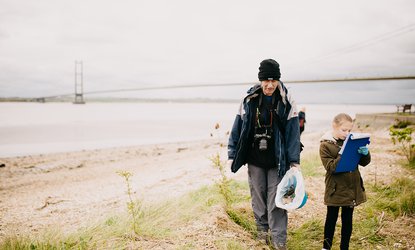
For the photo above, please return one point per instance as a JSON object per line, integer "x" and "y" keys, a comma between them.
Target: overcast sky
{"x": 130, "y": 44}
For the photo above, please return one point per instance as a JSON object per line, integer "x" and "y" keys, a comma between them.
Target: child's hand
{"x": 363, "y": 150}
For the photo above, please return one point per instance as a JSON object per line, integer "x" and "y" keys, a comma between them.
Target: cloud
{"x": 134, "y": 43}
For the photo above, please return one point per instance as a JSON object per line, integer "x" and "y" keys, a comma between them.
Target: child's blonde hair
{"x": 340, "y": 118}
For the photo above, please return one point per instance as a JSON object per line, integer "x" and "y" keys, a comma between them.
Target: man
{"x": 266, "y": 136}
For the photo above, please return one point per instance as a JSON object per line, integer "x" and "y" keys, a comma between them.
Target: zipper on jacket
{"x": 279, "y": 158}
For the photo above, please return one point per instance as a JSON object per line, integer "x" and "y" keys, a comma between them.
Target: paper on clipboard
{"x": 354, "y": 136}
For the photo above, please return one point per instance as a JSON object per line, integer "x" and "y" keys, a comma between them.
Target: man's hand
{"x": 295, "y": 166}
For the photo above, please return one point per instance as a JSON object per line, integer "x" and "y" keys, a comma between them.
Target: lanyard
{"x": 259, "y": 113}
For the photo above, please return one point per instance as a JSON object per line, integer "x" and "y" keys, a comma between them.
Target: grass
{"x": 243, "y": 218}
{"x": 376, "y": 222}
{"x": 398, "y": 198}
{"x": 307, "y": 236}
{"x": 167, "y": 221}
{"x": 311, "y": 165}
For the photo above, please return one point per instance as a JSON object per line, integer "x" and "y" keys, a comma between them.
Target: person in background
{"x": 301, "y": 118}
{"x": 343, "y": 190}
{"x": 266, "y": 136}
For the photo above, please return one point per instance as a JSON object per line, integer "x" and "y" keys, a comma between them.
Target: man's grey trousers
{"x": 263, "y": 185}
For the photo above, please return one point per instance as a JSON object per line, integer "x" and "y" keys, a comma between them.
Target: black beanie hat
{"x": 269, "y": 69}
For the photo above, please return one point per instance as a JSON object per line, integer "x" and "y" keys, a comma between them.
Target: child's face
{"x": 342, "y": 130}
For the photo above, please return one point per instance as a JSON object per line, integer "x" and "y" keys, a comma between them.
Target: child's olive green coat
{"x": 342, "y": 189}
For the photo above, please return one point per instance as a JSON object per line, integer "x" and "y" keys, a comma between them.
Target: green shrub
{"x": 401, "y": 124}
{"x": 403, "y": 137}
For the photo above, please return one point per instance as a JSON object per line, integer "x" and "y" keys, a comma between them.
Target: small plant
{"x": 224, "y": 181}
{"x": 403, "y": 137}
{"x": 220, "y": 164}
{"x": 134, "y": 208}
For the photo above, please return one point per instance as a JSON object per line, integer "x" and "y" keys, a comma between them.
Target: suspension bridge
{"x": 79, "y": 94}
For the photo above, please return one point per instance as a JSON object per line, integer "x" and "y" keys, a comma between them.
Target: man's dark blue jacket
{"x": 286, "y": 134}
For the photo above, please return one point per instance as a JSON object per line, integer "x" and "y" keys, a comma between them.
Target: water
{"x": 39, "y": 128}
{"x": 32, "y": 128}
{"x": 362, "y": 92}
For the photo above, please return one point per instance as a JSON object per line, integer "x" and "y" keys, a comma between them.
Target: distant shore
{"x": 170, "y": 100}
{"x": 121, "y": 100}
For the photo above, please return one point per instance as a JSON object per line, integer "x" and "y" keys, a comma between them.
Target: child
{"x": 343, "y": 190}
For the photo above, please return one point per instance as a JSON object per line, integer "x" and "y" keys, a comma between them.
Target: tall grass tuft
{"x": 243, "y": 219}
{"x": 385, "y": 204}
{"x": 397, "y": 198}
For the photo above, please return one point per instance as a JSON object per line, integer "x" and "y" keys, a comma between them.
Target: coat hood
{"x": 328, "y": 136}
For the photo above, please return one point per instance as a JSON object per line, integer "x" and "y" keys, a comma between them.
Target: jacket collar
{"x": 328, "y": 136}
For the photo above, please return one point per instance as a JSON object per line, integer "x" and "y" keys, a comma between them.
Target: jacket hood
{"x": 253, "y": 89}
{"x": 328, "y": 136}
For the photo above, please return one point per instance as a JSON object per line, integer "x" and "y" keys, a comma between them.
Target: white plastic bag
{"x": 293, "y": 179}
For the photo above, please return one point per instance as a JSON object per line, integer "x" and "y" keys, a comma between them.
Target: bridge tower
{"x": 79, "y": 83}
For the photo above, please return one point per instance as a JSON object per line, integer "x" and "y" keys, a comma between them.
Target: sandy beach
{"x": 70, "y": 190}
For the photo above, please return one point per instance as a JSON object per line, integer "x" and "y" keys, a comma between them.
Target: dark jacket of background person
{"x": 342, "y": 189}
{"x": 301, "y": 117}
{"x": 286, "y": 134}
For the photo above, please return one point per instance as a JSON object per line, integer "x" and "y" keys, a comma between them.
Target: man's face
{"x": 269, "y": 86}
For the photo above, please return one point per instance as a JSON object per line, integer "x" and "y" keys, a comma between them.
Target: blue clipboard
{"x": 349, "y": 156}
